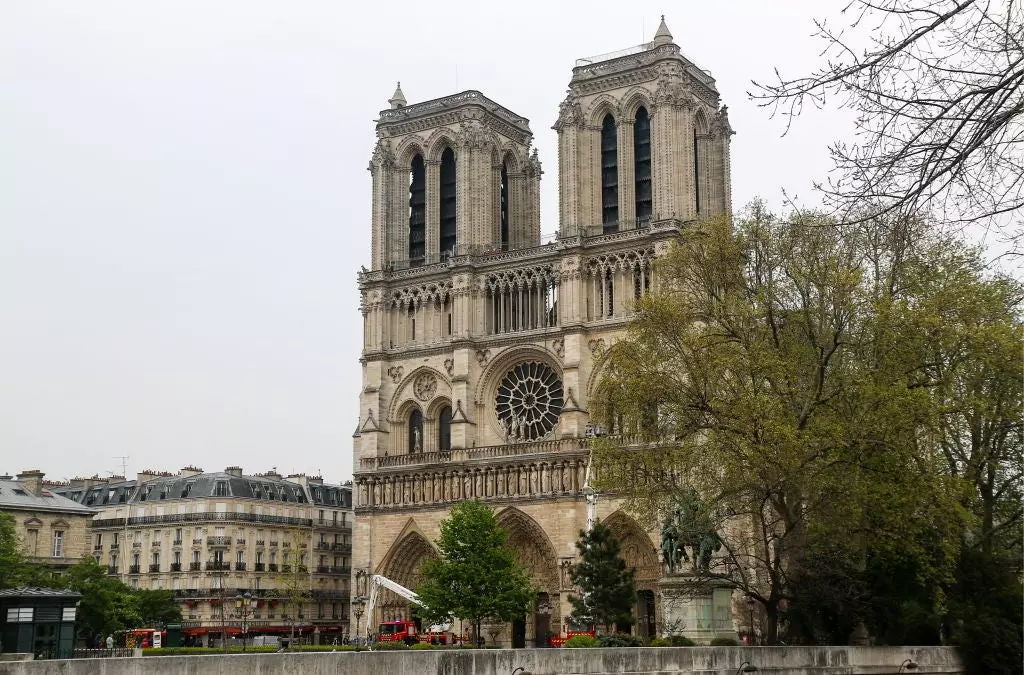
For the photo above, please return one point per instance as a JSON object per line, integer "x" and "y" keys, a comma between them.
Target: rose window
{"x": 528, "y": 402}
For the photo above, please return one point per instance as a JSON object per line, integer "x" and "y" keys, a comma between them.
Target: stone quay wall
{"x": 661, "y": 660}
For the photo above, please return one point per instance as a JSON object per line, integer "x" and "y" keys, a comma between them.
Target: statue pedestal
{"x": 697, "y": 608}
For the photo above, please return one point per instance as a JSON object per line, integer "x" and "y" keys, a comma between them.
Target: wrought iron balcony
{"x": 204, "y": 517}
{"x": 195, "y": 566}
{"x": 218, "y": 541}
{"x": 111, "y": 569}
{"x": 260, "y": 567}
{"x": 175, "y": 567}
{"x": 134, "y": 569}
{"x": 154, "y": 567}
{"x": 273, "y": 567}
{"x": 218, "y": 566}
{"x": 240, "y": 566}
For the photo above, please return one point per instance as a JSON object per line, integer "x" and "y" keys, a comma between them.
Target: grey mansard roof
{"x": 211, "y": 486}
{"x": 16, "y": 496}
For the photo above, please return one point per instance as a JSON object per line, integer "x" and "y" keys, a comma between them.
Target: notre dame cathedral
{"x": 483, "y": 346}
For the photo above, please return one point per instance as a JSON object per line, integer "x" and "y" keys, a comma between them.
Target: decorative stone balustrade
{"x": 543, "y": 468}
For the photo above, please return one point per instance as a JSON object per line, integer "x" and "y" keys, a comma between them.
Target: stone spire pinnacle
{"x": 397, "y": 99}
{"x": 662, "y": 37}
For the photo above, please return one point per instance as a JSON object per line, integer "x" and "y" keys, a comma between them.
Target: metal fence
{"x": 119, "y": 652}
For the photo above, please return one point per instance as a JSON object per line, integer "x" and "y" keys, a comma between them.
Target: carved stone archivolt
{"x": 533, "y": 548}
{"x": 636, "y": 547}
{"x": 425, "y": 386}
{"x": 402, "y": 564}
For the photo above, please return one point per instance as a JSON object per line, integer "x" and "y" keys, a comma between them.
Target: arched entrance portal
{"x": 639, "y": 553}
{"x": 534, "y": 552}
{"x": 402, "y": 564}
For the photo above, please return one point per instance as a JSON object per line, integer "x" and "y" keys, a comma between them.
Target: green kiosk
{"x": 38, "y": 621}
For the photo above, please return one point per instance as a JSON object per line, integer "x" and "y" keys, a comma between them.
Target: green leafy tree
{"x": 780, "y": 373}
{"x": 476, "y": 577}
{"x": 608, "y": 587}
{"x": 157, "y": 607}
{"x": 293, "y": 581}
{"x": 107, "y": 604}
{"x": 13, "y": 568}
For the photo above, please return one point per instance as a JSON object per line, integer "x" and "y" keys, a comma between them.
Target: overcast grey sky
{"x": 184, "y": 199}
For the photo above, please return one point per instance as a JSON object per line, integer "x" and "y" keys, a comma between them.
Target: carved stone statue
{"x": 686, "y": 527}
{"x": 417, "y": 440}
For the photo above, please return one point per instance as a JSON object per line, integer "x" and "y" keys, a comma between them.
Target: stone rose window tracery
{"x": 528, "y": 402}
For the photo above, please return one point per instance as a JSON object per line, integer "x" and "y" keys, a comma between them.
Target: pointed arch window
{"x": 415, "y": 431}
{"x": 447, "y": 203}
{"x": 609, "y": 175}
{"x": 504, "y": 206}
{"x": 696, "y": 171}
{"x": 417, "y": 211}
{"x": 444, "y": 429}
{"x": 642, "y": 164}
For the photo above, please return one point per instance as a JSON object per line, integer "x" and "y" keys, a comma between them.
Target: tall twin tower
{"x": 482, "y": 347}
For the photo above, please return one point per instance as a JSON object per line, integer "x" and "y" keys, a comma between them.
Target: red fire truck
{"x": 406, "y": 631}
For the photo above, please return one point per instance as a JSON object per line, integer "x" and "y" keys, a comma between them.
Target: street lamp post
{"x": 358, "y": 607}
{"x": 243, "y": 606}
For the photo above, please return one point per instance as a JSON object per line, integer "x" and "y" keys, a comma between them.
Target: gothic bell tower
{"x": 484, "y": 348}
{"x": 641, "y": 139}
{"x": 451, "y": 176}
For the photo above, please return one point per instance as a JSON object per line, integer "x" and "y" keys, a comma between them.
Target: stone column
{"x": 399, "y": 220}
{"x": 568, "y": 174}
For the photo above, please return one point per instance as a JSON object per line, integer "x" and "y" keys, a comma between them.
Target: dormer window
{"x": 220, "y": 489}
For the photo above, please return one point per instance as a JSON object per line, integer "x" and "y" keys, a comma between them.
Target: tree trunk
{"x": 771, "y": 625}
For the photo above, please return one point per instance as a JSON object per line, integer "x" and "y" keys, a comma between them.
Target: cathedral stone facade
{"x": 483, "y": 346}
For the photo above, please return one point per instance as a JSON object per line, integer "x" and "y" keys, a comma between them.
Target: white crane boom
{"x": 378, "y": 580}
{"x": 590, "y": 495}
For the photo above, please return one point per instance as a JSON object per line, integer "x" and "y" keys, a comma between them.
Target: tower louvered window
{"x": 696, "y": 172}
{"x": 609, "y": 175}
{"x": 504, "y": 206}
{"x": 642, "y": 155}
{"x": 447, "y": 203}
{"x": 417, "y": 212}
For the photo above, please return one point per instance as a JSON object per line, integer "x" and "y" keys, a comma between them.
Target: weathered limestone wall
{"x": 693, "y": 660}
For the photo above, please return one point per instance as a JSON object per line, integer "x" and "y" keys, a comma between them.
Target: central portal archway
{"x": 533, "y": 551}
{"x": 402, "y": 564}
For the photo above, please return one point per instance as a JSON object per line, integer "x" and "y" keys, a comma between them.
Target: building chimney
{"x": 233, "y": 471}
{"x": 188, "y": 471}
{"x": 145, "y": 476}
{"x": 32, "y": 480}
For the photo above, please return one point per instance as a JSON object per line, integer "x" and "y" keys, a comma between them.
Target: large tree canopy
{"x": 786, "y": 370}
